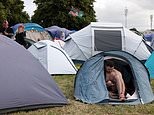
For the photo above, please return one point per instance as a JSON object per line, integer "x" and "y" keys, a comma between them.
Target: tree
{"x": 71, "y": 14}
{"x": 12, "y": 10}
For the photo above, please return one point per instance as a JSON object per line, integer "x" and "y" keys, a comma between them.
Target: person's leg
{"x": 112, "y": 90}
{"x": 121, "y": 87}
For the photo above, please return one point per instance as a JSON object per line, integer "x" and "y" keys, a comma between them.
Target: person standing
{"x": 6, "y": 30}
{"x": 20, "y": 36}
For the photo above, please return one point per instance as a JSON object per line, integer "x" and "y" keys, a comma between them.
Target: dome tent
{"x": 53, "y": 57}
{"x": 25, "y": 84}
{"x": 28, "y": 26}
{"x": 98, "y": 37}
{"x": 58, "y": 32}
{"x": 33, "y": 31}
{"x": 90, "y": 85}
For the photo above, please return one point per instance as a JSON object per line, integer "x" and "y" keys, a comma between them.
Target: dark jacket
{"x": 8, "y": 30}
{"x": 20, "y": 38}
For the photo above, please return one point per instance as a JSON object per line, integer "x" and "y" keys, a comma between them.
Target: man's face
{"x": 109, "y": 69}
{"x": 5, "y": 24}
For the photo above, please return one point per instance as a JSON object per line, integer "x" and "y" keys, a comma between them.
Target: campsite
{"x": 76, "y": 57}
{"x": 54, "y": 94}
{"x": 71, "y": 77}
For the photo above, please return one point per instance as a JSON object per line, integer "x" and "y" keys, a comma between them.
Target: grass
{"x": 66, "y": 83}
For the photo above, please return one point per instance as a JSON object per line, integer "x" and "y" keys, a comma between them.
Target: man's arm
{"x": 120, "y": 83}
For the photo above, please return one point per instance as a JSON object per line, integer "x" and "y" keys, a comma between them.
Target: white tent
{"x": 98, "y": 37}
{"x": 53, "y": 57}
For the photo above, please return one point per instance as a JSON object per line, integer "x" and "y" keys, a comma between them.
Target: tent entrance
{"x": 125, "y": 69}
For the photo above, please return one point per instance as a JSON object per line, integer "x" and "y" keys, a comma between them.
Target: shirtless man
{"x": 114, "y": 80}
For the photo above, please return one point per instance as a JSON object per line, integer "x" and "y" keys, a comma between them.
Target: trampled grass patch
{"x": 66, "y": 84}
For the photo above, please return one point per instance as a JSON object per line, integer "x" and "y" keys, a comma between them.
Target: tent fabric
{"x": 28, "y": 26}
{"x": 98, "y": 37}
{"x": 36, "y": 32}
{"x": 33, "y": 26}
{"x": 148, "y": 37}
{"x": 53, "y": 57}
{"x": 24, "y": 81}
{"x": 150, "y": 65}
{"x": 37, "y": 36}
{"x": 151, "y": 43}
{"x": 82, "y": 42}
{"x": 90, "y": 86}
{"x": 56, "y": 32}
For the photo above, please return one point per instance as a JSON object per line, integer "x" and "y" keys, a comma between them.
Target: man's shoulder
{"x": 116, "y": 71}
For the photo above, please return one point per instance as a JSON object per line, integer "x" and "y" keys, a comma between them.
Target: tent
{"x": 53, "y": 57}
{"x": 29, "y": 42}
{"x": 25, "y": 84}
{"x": 148, "y": 37}
{"x": 33, "y": 26}
{"x": 90, "y": 86}
{"x": 28, "y": 26}
{"x": 98, "y": 37}
{"x": 15, "y": 27}
{"x": 58, "y": 32}
{"x": 150, "y": 65}
{"x": 34, "y": 31}
{"x": 152, "y": 43}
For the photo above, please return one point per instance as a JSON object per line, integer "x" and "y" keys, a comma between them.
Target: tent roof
{"x": 56, "y": 32}
{"x": 97, "y": 37}
{"x": 101, "y": 24}
{"x": 28, "y": 26}
{"x": 33, "y": 26}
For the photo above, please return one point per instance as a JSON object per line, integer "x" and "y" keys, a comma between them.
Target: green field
{"x": 66, "y": 83}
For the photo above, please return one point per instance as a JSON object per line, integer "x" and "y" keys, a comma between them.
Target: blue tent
{"x": 33, "y": 26}
{"x": 90, "y": 86}
{"x": 148, "y": 37}
{"x": 150, "y": 65}
{"x": 28, "y": 26}
{"x": 56, "y": 32}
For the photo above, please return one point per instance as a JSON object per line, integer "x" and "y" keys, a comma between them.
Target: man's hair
{"x": 5, "y": 21}
{"x": 109, "y": 63}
